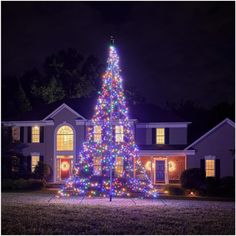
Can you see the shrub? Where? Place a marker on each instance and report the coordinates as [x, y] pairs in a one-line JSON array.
[[174, 190], [22, 184], [227, 186], [192, 179], [212, 186]]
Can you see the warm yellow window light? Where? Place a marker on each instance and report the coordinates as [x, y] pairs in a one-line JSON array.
[[160, 135], [34, 162], [210, 168], [97, 133], [35, 134], [97, 167], [65, 139], [119, 166], [119, 133]]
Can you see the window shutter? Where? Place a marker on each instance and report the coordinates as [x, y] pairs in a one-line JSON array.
[[217, 168], [29, 134], [41, 134], [167, 135], [29, 164], [41, 158], [22, 134], [154, 136], [202, 166]]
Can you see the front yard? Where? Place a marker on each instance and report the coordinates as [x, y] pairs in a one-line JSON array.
[[31, 213]]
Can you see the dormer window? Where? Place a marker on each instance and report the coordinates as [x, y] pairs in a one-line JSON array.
[[97, 134], [160, 135], [119, 133]]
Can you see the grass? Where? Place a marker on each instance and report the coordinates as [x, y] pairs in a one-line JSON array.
[[30, 213]]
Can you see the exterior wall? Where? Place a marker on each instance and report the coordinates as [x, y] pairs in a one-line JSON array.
[[177, 136], [48, 149], [217, 144]]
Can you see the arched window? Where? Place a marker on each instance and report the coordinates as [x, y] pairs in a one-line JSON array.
[[65, 138]]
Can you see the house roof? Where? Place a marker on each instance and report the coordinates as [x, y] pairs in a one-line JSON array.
[[161, 147], [227, 120], [84, 107]]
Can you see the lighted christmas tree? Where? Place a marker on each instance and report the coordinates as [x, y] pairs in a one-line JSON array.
[[108, 164]]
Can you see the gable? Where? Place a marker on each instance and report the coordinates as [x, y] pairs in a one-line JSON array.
[[222, 133], [65, 112]]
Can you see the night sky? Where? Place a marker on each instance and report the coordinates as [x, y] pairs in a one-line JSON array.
[[170, 51]]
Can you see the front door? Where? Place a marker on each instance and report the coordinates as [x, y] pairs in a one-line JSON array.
[[65, 168], [160, 171]]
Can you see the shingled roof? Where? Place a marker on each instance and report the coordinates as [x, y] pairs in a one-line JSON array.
[[85, 107]]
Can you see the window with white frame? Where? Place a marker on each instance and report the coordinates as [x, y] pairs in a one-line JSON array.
[[119, 133], [34, 161], [15, 134], [65, 138], [97, 165], [97, 133], [160, 135], [35, 134], [210, 166]]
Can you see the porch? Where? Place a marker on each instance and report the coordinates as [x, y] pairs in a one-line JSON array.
[[164, 169]]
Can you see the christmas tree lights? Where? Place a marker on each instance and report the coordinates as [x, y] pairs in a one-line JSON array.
[[108, 161]]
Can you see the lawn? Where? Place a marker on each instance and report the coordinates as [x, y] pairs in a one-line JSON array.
[[31, 213]]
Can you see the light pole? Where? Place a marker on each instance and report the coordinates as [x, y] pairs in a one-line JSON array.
[[110, 138]]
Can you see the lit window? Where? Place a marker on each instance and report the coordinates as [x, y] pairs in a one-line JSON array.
[[210, 168], [97, 134], [97, 167], [160, 135], [119, 166], [35, 134], [119, 133], [34, 162], [65, 138], [15, 134]]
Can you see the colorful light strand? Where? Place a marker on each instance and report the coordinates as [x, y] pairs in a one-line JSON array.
[[110, 111]]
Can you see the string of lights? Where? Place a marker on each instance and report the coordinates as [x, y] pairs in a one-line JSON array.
[[109, 144]]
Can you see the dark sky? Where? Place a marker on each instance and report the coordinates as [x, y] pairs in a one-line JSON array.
[[170, 51]]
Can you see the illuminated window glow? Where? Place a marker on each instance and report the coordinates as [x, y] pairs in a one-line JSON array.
[[119, 133], [119, 166], [15, 134], [97, 134], [34, 162], [210, 168], [160, 135], [35, 134], [97, 166], [65, 139]]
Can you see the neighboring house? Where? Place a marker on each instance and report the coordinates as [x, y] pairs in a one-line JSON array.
[[56, 132], [215, 151]]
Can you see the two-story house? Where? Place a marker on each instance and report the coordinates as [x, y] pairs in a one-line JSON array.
[[55, 134]]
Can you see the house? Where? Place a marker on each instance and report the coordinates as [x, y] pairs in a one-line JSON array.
[[214, 151], [55, 134]]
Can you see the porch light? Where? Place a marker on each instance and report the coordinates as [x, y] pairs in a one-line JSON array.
[[172, 166], [148, 166]]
